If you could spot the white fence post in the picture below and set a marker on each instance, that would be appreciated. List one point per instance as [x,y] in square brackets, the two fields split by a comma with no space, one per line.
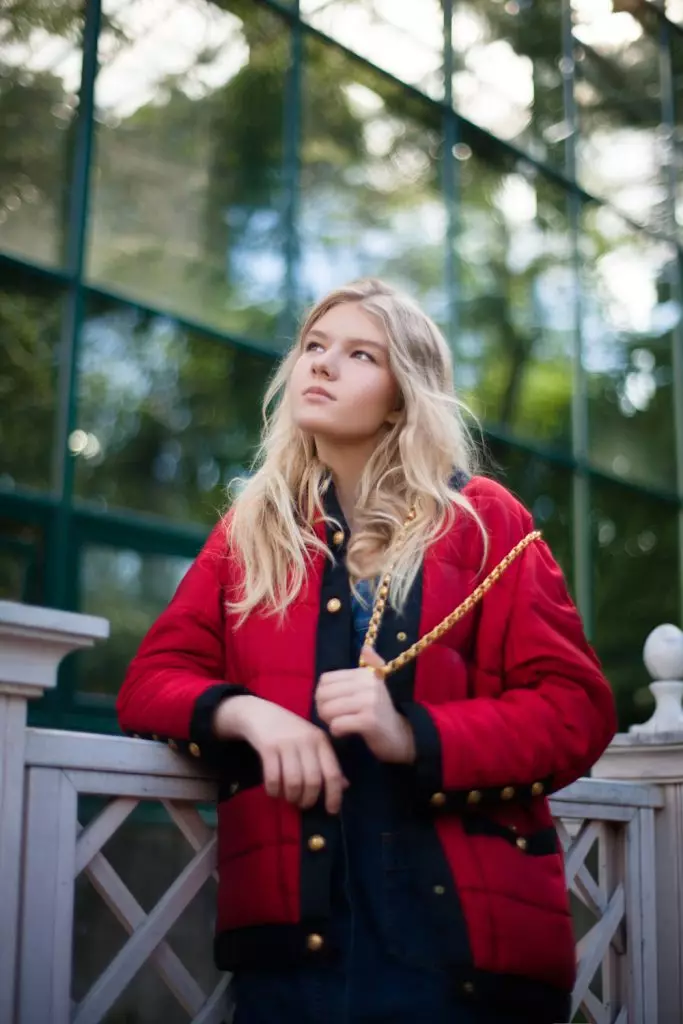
[33,642]
[653,753]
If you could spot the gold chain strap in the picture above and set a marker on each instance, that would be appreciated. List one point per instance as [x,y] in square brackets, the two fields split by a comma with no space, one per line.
[450,620]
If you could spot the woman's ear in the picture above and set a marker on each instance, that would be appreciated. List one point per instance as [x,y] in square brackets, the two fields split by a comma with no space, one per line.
[393,417]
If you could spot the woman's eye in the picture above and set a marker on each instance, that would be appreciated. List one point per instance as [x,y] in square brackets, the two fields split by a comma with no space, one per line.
[366,355]
[310,345]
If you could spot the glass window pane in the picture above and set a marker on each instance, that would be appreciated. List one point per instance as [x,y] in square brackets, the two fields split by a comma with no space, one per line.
[30,325]
[40,71]
[628,313]
[130,589]
[546,490]
[676,49]
[620,151]
[166,416]
[21,562]
[403,38]
[187,200]
[636,587]
[370,194]
[508,72]
[516,324]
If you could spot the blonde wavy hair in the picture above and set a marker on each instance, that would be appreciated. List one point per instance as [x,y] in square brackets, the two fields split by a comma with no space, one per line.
[271,525]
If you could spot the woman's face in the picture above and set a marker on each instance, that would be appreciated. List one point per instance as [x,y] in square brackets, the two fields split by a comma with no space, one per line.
[342,389]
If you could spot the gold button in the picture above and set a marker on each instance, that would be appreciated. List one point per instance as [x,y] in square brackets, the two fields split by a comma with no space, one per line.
[334,604]
[437,799]
[317,843]
[439,890]
[234,786]
[474,796]
[315,942]
[537,789]
[507,793]
[401,637]
[468,988]
[338,538]
[173,745]
[194,750]
[521,843]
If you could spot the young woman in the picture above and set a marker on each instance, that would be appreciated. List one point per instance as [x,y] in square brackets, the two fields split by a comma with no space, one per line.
[386,850]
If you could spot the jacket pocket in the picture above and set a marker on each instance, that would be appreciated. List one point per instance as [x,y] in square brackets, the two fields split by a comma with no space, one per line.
[523,862]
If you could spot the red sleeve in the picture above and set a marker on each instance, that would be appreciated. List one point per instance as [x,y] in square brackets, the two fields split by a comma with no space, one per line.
[553,712]
[177,678]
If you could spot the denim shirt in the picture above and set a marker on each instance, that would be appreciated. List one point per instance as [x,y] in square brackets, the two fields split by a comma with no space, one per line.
[378,907]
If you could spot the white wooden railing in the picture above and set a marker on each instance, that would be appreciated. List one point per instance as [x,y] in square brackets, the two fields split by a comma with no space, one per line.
[611,831]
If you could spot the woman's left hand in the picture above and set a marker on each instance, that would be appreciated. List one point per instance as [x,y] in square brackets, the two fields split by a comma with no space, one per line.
[356,702]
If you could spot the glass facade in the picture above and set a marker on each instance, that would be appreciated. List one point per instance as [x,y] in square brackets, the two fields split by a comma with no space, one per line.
[177,185]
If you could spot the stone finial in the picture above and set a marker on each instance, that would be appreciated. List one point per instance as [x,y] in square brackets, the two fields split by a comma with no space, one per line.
[663,657]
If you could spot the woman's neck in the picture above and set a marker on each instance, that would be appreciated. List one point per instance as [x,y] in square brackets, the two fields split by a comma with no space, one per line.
[346,465]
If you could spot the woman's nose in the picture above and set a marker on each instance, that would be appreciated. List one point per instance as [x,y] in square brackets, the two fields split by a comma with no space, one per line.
[324,364]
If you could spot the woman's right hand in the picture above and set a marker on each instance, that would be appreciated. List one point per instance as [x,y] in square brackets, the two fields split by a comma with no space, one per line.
[297,757]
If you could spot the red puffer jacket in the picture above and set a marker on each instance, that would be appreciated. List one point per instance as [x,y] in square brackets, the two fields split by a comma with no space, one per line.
[507,707]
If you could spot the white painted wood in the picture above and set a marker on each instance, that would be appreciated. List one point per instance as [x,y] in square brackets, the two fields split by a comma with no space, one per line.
[599,811]
[595,944]
[646,911]
[191,824]
[579,850]
[101,829]
[110,754]
[12,741]
[637,757]
[143,787]
[146,938]
[607,792]
[130,914]
[596,1012]
[47,899]
[215,1009]
[33,641]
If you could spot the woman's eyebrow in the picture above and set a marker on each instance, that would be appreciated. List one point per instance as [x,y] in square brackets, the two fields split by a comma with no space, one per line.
[316,333]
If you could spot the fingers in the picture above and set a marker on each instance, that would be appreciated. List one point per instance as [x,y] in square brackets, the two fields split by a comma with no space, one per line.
[371,659]
[272,772]
[346,725]
[334,780]
[312,776]
[292,774]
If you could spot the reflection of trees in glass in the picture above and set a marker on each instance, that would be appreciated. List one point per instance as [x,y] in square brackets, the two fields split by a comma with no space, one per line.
[30,315]
[507,76]
[39,71]
[187,204]
[635,557]
[629,311]
[130,590]
[166,416]
[370,199]
[516,317]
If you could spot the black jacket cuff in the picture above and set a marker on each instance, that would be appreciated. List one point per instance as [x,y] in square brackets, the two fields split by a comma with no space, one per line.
[428,773]
[201,722]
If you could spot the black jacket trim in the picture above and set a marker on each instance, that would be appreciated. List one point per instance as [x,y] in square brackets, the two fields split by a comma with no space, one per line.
[282,946]
[540,843]
[274,947]
[201,723]
[429,773]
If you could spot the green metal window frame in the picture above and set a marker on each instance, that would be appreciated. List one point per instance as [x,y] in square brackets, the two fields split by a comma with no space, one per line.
[67,524]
